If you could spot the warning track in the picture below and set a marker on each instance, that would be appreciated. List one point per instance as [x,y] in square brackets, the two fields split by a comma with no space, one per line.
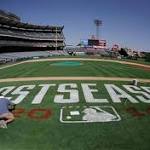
[72,79]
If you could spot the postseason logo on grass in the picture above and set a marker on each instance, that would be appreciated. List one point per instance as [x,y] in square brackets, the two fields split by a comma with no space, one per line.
[87,114]
[69,95]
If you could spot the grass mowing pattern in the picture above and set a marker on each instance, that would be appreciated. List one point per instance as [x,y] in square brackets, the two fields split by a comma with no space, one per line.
[106,69]
[26,134]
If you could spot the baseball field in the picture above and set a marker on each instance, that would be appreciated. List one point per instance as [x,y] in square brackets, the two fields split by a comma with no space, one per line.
[77,104]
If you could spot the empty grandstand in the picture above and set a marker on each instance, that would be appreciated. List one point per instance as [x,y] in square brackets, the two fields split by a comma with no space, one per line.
[18,36]
[15,56]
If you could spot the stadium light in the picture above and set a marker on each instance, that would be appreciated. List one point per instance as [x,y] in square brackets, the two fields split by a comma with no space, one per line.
[98,23]
[56,40]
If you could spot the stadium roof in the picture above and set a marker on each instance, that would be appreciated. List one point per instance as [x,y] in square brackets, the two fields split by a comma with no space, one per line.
[15,21]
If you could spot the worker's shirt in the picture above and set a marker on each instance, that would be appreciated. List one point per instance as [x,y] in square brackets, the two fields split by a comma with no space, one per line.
[4,105]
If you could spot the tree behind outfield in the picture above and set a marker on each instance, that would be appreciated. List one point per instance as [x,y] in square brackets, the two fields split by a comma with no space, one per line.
[123,52]
[147,57]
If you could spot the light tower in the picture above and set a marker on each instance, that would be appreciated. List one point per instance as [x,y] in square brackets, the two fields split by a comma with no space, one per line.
[98,23]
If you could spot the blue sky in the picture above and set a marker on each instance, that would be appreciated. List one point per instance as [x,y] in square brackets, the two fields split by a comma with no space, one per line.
[125,22]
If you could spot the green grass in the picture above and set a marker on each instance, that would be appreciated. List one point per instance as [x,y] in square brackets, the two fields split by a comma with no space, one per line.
[45,69]
[131,133]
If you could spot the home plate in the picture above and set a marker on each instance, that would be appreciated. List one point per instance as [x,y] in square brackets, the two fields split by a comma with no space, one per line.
[72,113]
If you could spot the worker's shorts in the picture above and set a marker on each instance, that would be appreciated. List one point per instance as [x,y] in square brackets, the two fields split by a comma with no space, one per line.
[6,115]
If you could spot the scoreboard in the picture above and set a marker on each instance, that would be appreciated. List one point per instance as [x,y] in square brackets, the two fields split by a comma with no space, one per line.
[93,42]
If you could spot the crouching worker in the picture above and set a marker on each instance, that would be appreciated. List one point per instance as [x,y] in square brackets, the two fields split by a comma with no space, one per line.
[6,116]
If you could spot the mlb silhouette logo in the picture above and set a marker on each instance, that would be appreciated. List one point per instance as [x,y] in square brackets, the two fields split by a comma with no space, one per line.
[87,114]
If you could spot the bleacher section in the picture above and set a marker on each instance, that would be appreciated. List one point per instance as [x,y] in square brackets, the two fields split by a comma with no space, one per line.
[14,33]
[25,34]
